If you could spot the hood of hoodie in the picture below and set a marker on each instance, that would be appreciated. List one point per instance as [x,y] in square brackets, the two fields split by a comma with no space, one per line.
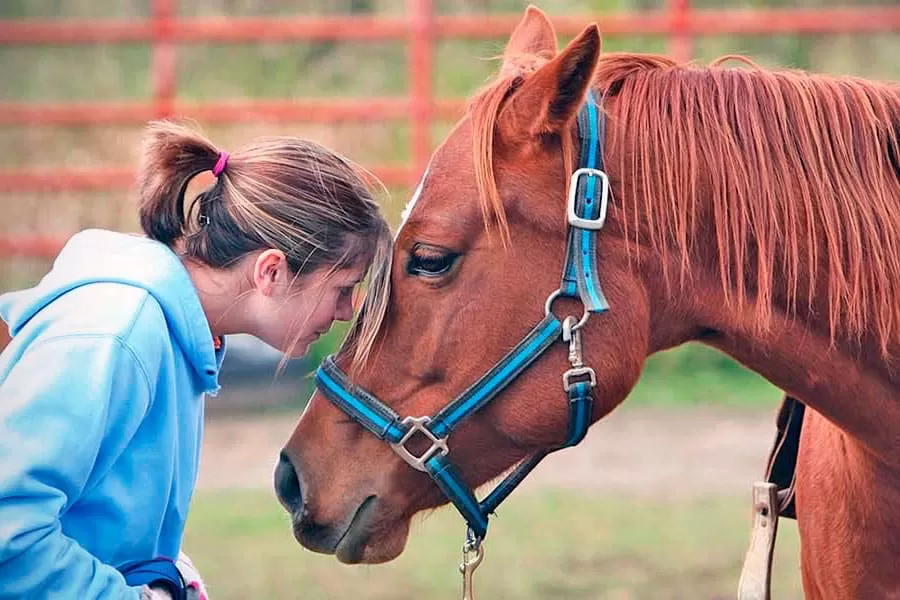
[94,256]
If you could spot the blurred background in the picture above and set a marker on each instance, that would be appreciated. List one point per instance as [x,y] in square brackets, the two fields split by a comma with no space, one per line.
[654,504]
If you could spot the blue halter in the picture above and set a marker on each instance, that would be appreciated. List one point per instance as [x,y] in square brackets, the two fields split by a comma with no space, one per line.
[586,213]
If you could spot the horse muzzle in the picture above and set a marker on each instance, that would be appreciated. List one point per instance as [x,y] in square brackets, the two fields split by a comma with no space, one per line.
[348,538]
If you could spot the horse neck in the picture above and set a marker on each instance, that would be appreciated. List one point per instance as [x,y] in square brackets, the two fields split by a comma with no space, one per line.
[755,266]
[849,383]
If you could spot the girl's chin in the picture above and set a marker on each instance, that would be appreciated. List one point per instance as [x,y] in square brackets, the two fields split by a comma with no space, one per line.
[299,348]
[302,346]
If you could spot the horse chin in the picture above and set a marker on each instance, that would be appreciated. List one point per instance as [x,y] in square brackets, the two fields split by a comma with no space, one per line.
[363,543]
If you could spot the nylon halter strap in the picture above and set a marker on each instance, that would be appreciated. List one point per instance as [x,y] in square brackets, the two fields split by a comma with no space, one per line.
[586,212]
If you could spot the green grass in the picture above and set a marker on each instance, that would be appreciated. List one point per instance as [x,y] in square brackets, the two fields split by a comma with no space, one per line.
[548,544]
[697,374]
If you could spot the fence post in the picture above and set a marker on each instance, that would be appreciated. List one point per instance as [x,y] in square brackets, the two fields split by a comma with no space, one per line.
[163,57]
[680,44]
[420,62]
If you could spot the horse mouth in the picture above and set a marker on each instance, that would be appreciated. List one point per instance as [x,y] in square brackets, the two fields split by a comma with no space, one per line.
[352,544]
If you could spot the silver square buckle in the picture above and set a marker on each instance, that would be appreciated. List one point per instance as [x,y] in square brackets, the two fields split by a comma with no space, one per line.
[418,425]
[603,182]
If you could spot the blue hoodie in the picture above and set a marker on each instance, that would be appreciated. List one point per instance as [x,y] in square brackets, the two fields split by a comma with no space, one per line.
[101,417]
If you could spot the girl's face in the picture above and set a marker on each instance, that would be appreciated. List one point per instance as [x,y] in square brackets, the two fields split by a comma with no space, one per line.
[290,312]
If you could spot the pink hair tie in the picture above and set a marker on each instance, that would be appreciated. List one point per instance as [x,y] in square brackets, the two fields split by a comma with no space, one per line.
[221,163]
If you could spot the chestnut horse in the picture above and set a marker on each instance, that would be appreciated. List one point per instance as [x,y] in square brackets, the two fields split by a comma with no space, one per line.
[751,210]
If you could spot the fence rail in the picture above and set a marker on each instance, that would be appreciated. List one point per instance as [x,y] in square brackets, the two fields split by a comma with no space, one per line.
[420,27]
[369,28]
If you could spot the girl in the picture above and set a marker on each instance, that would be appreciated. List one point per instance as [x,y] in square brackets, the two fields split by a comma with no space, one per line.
[102,386]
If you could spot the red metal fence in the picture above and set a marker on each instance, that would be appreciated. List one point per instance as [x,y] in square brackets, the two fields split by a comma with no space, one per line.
[421,27]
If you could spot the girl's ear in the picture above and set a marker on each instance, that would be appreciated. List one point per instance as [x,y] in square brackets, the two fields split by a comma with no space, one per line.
[269,271]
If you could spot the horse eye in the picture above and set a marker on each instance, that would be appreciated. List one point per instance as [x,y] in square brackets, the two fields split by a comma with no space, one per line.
[431,263]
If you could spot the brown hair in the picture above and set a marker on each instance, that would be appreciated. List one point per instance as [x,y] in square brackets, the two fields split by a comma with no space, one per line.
[286,193]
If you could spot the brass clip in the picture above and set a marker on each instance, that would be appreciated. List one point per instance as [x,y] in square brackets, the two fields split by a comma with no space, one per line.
[467,568]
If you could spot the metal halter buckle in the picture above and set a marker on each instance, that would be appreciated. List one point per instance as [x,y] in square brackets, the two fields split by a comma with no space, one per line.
[418,424]
[603,182]
[578,372]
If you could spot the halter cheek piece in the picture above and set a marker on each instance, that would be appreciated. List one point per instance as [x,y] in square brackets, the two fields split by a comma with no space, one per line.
[586,213]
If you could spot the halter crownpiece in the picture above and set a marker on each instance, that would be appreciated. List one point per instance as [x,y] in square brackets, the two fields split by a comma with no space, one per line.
[586,208]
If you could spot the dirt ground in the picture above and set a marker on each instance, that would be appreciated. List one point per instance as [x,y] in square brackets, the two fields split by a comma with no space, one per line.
[680,453]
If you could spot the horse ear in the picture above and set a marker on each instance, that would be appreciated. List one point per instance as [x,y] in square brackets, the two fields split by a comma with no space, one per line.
[533,35]
[549,99]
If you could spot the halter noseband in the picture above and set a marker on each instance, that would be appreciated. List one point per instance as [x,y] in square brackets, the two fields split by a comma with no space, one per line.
[586,213]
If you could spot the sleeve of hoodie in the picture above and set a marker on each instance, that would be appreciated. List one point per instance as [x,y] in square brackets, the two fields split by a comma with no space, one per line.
[67,400]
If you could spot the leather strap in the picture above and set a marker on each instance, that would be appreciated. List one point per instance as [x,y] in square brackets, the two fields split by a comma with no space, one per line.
[782,466]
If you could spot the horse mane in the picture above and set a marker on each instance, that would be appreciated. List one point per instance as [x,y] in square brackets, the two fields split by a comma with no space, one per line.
[799,172]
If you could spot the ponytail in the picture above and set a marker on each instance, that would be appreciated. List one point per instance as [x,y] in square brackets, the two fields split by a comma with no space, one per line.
[171,155]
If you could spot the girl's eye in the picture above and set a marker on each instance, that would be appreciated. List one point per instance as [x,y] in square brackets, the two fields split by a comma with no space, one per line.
[431,262]
[348,293]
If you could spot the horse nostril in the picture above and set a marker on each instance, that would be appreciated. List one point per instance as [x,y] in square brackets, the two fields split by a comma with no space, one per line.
[287,484]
